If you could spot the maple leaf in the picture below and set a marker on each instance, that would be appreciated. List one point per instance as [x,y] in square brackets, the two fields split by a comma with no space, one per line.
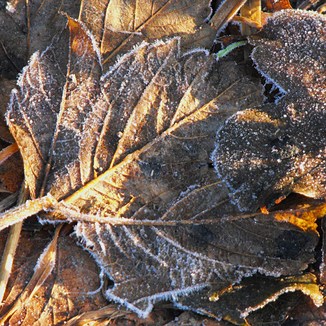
[265,153]
[133,146]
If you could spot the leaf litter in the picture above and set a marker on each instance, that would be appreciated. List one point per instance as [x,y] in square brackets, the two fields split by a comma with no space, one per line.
[145,156]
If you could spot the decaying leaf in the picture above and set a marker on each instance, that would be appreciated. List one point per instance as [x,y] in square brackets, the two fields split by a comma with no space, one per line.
[265,153]
[71,288]
[235,303]
[32,25]
[119,24]
[276,5]
[134,144]
[11,169]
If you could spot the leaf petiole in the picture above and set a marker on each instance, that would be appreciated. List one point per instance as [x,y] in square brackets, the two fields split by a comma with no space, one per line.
[224,52]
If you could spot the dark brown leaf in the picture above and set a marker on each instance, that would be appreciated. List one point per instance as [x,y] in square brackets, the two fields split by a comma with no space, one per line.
[265,153]
[235,303]
[6,86]
[31,26]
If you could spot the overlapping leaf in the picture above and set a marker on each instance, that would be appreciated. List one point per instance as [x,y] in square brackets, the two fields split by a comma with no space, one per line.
[118,25]
[265,153]
[235,303]
[31,26]
[135,143]
[71,289]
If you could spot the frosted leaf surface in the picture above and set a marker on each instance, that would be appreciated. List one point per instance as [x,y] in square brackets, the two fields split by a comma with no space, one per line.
[265,153]
[135,142]
[119,24]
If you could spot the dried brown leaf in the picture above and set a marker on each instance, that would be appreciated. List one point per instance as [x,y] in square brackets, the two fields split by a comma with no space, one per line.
[118,24]
[31,26]
[69,289]
[11,169]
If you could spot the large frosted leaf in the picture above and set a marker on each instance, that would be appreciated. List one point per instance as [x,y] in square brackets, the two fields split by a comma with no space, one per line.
[265,153]
[135,143]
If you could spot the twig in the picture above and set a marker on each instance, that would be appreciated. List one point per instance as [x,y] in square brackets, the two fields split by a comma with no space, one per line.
[28,22]
[25,210]
[225,13]
[10,248]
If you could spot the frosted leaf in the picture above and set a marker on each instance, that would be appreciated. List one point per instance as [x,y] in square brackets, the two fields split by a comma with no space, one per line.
[119,25]
[135,143]
[265,153]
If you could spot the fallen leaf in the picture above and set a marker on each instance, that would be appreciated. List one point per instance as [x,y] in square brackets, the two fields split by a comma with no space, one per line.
[6,86]
[237,302]
[11,172]
[134,144]
[276,5]
[32,25]
[69,288]
[118,25]
[265,153]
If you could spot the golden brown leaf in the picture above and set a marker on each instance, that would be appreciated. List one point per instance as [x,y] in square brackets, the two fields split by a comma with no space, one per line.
[119,25]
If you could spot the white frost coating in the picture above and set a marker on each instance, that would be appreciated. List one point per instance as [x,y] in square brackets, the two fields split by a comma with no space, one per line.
[114,239]
[266,76]
[141,313]
[198,311]
[233,191]
[12,100]
[135,49]
[41,258]
[136,243]
[10,8]
[77,233]
[218,173]
[318,301]
[196,50]
[296,12]
[35,57]
[100,241]
[99,289]
[184,194]
[150,300]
